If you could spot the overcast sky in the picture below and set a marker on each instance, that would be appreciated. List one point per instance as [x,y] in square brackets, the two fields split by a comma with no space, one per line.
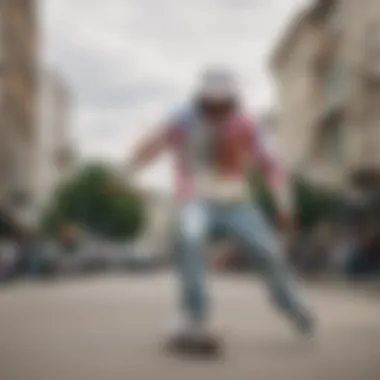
[127,62]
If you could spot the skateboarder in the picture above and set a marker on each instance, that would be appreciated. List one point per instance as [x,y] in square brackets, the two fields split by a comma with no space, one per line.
[214,143]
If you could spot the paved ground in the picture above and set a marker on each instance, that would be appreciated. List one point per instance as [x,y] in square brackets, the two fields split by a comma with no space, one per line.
[111,328]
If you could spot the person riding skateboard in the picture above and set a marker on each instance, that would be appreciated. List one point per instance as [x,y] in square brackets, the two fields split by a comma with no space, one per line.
[214,143]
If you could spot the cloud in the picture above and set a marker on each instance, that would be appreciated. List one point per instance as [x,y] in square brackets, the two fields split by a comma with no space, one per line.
[128,61]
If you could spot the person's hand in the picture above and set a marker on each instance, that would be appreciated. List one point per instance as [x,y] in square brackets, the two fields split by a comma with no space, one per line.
[123,175]
[119,175]
[288,223]
[117,180]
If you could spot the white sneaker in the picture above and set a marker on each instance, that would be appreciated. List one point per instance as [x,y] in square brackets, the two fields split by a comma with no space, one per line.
[186,327]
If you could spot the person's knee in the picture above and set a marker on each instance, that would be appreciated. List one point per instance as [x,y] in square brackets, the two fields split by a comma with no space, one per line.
[193,223]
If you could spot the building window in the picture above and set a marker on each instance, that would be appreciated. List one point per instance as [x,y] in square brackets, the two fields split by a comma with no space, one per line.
[333,78]
[324,8]
[331,141]
[335,85]
[372,41]
[336,19]
[20,198]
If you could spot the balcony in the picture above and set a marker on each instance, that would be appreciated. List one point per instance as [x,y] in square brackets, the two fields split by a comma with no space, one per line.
[332,84]
[366,153]
[325,173]
[323,8]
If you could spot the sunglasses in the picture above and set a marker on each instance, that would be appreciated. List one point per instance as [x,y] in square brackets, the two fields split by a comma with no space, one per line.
[217,108]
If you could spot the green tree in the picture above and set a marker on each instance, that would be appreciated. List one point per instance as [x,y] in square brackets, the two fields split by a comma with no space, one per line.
[92,200]
[263,196]
[312,203]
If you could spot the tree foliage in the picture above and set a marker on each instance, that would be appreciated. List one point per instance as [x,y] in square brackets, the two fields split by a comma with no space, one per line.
[93,201]
[312,203]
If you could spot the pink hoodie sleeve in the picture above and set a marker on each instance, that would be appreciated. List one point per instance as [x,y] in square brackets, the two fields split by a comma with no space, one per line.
[264,161]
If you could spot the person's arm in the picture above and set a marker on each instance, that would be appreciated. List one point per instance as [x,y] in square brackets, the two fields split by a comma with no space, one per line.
[149,149]
[275,176]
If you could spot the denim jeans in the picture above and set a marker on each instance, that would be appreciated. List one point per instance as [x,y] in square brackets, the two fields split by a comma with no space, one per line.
[244,222]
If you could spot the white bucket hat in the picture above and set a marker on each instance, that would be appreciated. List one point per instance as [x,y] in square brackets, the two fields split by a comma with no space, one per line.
[218,84]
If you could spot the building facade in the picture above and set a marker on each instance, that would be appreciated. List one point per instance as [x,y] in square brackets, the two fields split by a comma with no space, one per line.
[18,104]
[267,127]
[327,69]
[55,149]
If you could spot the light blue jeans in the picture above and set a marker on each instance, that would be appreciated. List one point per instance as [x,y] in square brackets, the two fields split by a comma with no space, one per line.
[245,223]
